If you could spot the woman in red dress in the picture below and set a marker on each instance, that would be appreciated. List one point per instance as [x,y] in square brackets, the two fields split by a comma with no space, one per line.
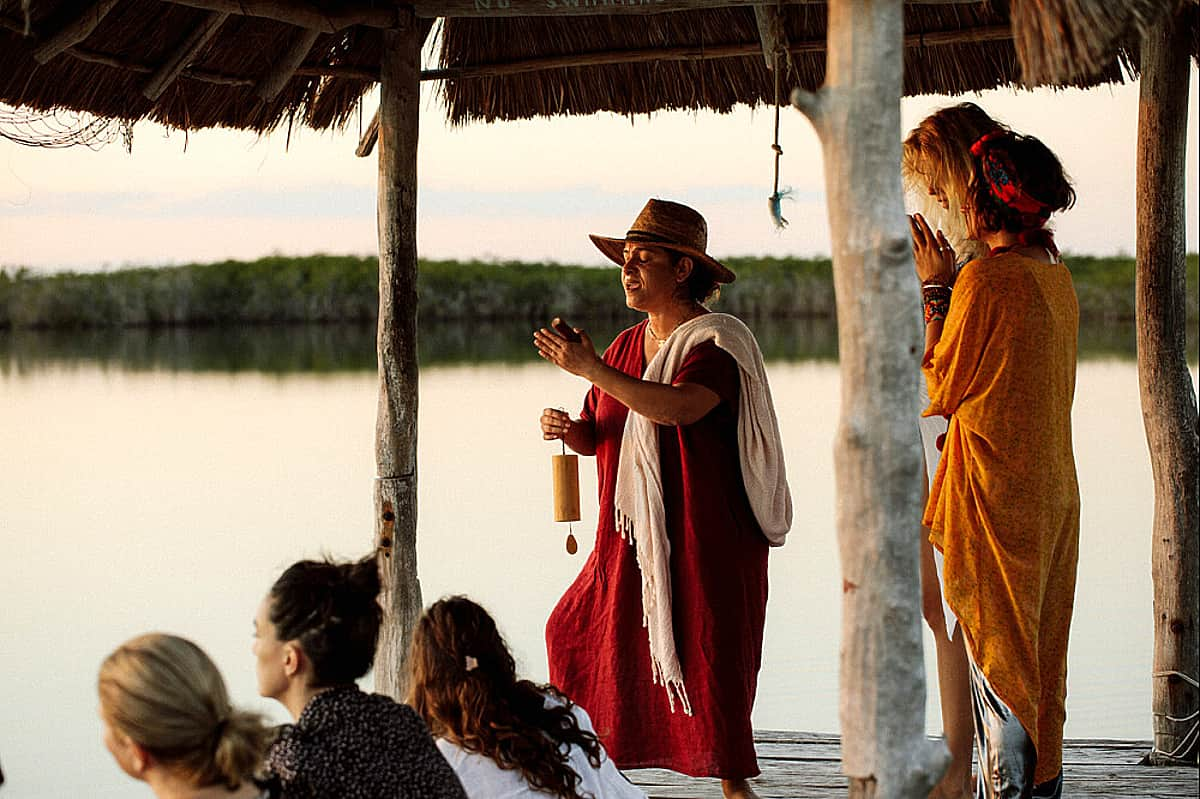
[692,493]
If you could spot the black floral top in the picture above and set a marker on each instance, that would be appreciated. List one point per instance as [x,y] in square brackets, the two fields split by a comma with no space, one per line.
[352,745]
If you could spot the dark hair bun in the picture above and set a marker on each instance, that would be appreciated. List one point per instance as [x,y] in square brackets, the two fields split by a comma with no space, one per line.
[362,577]
[332,610]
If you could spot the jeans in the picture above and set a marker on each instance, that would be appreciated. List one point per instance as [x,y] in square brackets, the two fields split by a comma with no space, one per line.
[1007,758]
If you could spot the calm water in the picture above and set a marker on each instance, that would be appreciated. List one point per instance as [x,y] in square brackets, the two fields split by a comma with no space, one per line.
[161,481]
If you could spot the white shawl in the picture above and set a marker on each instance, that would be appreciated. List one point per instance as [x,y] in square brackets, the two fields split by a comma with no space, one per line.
[640,516]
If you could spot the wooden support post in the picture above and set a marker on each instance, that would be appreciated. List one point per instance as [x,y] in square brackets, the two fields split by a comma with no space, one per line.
[73,33]
[396,419]
[1168,401]
[287,65]
[183,55]
[877,459]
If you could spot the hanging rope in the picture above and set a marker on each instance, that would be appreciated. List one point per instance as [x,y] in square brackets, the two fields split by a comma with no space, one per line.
[775,202]
[58,129]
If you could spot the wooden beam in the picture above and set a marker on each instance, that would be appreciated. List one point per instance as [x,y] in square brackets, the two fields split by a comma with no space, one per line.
[992,33]
[1168,400]
[286,66]
[303,15]
[15,26]
[207,76]
[338,71]
[74,31]
[366,144]
[183,55]
[579,8]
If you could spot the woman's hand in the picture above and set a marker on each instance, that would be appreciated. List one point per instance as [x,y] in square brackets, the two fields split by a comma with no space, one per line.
[933,255]
[576,357]
[556,424]
[578,434]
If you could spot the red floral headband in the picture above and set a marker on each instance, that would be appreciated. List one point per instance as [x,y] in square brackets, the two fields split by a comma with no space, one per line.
[1001,175]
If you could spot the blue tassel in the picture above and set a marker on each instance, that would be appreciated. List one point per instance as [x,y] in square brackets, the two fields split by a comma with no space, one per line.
[775,203]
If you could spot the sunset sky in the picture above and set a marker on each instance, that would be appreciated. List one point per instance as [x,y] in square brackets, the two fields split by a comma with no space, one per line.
[527,191]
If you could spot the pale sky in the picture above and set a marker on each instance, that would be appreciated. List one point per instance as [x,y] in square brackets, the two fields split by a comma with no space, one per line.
[526,190]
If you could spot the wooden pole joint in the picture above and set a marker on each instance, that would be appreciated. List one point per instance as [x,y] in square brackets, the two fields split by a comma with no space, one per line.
[405,478]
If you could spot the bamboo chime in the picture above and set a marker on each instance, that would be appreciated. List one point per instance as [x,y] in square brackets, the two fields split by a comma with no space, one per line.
[566,494]
[566,469]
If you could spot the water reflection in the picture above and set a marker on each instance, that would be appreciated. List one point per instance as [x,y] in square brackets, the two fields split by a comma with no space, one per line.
[318,349]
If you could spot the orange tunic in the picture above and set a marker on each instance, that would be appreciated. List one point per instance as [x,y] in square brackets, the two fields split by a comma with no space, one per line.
[1004,505]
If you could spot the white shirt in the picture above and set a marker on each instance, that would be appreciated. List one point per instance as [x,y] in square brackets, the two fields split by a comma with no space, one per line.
[483,779]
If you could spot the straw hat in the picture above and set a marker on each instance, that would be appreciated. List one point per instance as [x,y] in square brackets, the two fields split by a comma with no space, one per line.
[672,226]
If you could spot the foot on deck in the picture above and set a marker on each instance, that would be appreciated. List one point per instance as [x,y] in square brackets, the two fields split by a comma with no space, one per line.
[954,786]
[737,789]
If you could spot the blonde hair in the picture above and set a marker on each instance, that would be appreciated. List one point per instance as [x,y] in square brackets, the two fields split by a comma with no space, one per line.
[937,155]
[165,693]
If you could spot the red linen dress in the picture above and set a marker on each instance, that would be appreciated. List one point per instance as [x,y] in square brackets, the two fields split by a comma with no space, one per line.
[598,650]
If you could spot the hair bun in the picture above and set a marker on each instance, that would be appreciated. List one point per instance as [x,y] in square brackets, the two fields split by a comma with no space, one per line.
[362,578]
[332,609]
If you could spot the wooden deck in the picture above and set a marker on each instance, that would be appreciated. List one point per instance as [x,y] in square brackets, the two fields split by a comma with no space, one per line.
[797,765]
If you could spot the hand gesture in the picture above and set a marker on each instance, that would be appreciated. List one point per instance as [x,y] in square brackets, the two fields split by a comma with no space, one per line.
[576,357]
[932,254]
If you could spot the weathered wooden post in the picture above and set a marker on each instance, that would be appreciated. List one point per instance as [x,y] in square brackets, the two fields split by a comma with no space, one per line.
[877,458]
[1168,401]
[396,417]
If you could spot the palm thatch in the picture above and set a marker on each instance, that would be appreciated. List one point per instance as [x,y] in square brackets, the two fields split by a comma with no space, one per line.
[106,73]
[713,60]
[203,63]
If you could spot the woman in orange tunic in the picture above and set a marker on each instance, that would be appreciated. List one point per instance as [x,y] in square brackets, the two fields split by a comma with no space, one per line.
[1004,505]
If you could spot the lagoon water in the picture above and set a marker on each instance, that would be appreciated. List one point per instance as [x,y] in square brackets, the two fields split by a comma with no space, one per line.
[161,481]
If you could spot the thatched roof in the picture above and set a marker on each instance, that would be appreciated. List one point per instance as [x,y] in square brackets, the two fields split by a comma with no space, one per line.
[238,63]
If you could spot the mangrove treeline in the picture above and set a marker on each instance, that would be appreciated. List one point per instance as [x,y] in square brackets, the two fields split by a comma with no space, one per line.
[323,289]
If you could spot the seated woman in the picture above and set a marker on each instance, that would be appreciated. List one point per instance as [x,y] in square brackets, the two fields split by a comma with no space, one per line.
[315,634]
[168,722]
[506,738]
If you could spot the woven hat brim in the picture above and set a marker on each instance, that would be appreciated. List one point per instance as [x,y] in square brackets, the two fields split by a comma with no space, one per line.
[614,250]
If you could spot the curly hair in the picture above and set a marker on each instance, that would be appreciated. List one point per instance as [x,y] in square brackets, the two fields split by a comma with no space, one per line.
[331,609]
[463,683]
[1038,173]
[937,158]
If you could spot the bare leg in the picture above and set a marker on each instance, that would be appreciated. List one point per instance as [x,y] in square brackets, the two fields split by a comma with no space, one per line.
[737,789]
[954,685]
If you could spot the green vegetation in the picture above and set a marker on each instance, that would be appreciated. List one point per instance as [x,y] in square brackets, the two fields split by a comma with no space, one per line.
[350,347]
[324,289]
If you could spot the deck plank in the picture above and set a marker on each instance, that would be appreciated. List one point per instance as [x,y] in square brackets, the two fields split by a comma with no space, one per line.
[799,765]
